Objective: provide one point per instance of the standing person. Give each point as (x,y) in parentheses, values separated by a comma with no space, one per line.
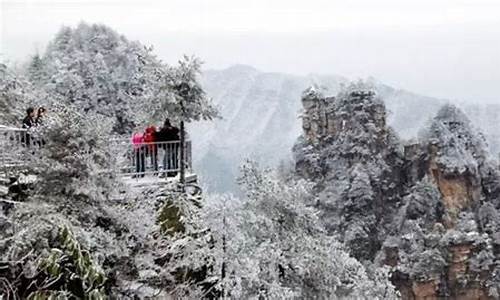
(139,154)
(28,123)
(29,120)
(169,133)
(39,121)
(150,138)
(40,116)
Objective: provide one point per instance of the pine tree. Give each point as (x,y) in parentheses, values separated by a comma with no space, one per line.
(99,71)
(35,69)
(182,99)
(271,244)
(16,95)
(74,161)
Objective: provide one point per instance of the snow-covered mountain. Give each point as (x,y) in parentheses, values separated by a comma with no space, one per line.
(428,210)
(261,118)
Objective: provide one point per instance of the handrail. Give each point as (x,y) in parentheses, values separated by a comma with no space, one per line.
(153,143)
(139,159)
(8,128)
(153,158)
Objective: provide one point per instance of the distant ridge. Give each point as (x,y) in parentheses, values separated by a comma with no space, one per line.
(261,110)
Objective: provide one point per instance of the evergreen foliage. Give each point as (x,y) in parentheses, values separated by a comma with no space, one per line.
(428,208)
(98,70)
(270,244)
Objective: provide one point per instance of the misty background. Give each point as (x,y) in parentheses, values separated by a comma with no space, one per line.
(260,55)
(444,48)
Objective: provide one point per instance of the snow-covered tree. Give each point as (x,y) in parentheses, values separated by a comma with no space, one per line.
(181,96)
(99,71)
(461,147)
(16,95)
(186,246)
(35,69)
(72,156)
(182,99)
(287,250)
(271,244)
(72,185)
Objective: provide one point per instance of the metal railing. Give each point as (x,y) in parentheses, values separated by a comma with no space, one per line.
(158,158)
(15,143)
(136,160)
(17,136)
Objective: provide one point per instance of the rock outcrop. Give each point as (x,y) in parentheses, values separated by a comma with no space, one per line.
(429,209)
(458,163)
(355,161)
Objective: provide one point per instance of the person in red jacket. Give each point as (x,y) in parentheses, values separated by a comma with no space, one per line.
(150,138)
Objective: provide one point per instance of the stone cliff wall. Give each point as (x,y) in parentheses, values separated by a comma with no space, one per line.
(429,209)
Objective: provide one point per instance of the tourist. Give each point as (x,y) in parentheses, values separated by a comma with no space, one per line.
(166,135)
(28,123)
(39,121)
(150,137)
(29,120)
(139,154)
(40,116)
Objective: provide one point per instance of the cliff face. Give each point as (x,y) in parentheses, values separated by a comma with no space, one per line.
(429,209)
(355,160)
(461,156)
(259,112)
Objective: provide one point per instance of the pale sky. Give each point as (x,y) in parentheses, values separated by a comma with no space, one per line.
(442,48)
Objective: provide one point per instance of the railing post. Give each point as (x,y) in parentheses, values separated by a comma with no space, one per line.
(147,158)
(182,166)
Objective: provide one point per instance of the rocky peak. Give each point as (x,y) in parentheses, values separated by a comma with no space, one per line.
(456,145)
(458,162)
(352,156)
(351,126)
(356,112)
(315,117)
(429,208)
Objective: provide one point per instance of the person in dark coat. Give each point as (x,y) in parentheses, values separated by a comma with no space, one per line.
(29,120)
(28,123)
(167,134)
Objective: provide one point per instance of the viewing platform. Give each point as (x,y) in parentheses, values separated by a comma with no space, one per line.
(139,164)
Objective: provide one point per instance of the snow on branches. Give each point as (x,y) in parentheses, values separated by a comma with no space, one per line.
(271,244)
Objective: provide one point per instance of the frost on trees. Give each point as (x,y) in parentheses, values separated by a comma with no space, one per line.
(355,161)
(72,189)
(270,244)
(74,214)
(278,217)
(98,70)
(77,231)
(74,159)
(182,99)
(16,94)
(427,208)
(180,96)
